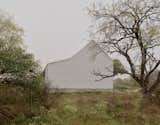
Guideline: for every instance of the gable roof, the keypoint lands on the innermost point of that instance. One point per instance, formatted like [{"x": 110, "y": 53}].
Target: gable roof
[
  {"x": 102, "y": 50},
  {"x": 89, "y": 44}
]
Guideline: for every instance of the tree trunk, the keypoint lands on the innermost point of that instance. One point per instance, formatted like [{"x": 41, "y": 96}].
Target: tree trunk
[{"x": 148, "y": 97}]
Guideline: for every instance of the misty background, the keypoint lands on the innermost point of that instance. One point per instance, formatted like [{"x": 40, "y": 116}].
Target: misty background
[{"x": 54, "y": 29}]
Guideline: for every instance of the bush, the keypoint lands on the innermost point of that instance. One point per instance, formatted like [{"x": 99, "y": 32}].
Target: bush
[{"x": 126, "y": 83}]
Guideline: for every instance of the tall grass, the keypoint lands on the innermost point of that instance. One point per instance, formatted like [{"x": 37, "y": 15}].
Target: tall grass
[{"x": 102, "y": 108}]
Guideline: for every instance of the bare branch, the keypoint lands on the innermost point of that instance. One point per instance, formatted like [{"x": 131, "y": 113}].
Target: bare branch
[
  {"x": 131, "y": 29},
  {"x": 155, "y": 67}
]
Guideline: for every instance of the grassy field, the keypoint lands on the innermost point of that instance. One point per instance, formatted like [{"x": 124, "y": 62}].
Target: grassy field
[{"x": 94, "y": 108}]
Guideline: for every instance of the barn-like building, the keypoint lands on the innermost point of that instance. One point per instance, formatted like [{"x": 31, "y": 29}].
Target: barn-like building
[{"x": 78, "y": 72}]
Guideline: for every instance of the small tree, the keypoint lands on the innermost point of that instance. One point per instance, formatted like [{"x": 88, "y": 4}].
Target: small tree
[
  {"x": 118, "y": 68},
  {"x": 131, "y": 28},
  {"x": 16, "y": 65}
]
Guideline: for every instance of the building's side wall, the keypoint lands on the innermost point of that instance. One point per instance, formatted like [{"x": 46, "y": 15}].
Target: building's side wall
[{"x": 77, "y": 72}]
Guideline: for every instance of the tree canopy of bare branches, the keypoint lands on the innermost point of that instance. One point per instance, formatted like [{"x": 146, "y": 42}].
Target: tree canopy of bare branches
[{"x": 131, "y": 28}]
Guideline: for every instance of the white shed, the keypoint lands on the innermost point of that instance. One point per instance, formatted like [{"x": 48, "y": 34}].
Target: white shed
[{"x": 77, "y": 72}]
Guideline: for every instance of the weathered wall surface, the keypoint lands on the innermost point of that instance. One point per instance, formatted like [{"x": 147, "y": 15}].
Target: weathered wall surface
[{"x": 77, "y": 71}]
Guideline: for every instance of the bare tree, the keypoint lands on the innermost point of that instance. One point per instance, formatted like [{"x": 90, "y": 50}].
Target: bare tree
[{"x": 131, "y": 28}]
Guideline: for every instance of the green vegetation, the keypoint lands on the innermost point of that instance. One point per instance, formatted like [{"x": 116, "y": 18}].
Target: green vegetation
[
  {"x": 20, "y": 74},
  {"x": 118, "y": 67},
  {"x": 25, "y": 100},
  {"x": 126, "y": 83},
  {"x": 16, "y": 65},
  {"x": 94, "y": 108},
  {"x": 18, "y": 101}
]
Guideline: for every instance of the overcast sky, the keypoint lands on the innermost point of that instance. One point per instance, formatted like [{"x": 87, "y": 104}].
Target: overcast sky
[{"x": 54, "y": 29}]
